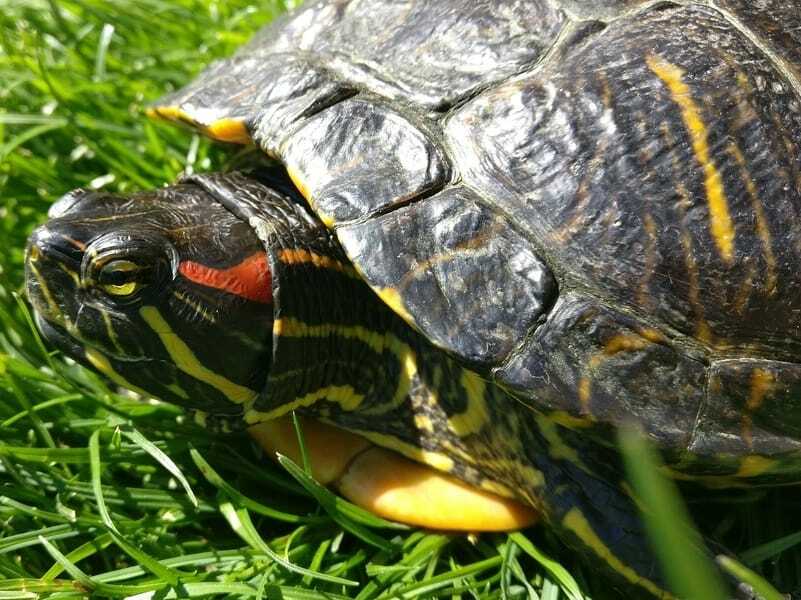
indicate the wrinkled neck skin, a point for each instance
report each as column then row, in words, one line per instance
column 342, row 356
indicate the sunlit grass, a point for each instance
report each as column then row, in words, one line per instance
column 102, row 493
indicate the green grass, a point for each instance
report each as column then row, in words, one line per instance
column 104, row 494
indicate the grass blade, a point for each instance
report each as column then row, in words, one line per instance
column 688, row 568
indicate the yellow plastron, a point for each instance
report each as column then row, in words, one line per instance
column 390, row 485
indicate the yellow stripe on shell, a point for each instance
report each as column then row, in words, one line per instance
column 622, row 342
column 576, row 522
column 298, row 179
column 721, row 224
column 225, row 129
column 186, row 361
column 762, row 382
column 754, row 466
column 750, row 467
column 392, row 298
column 229, row 130
column 762, row 227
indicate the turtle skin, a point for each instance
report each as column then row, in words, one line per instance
column 593, row 205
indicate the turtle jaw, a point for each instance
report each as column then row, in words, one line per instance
column 52, row 273
column 56, row 336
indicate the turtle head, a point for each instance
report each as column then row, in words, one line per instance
column 164, row 292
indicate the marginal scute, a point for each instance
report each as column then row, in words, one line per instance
column 592, row 361
column 471, row 283
column 357, row 158
column 656, row 172
column 263, row 94
column 752, row 407
column 428, row 53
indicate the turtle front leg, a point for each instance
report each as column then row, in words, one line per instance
column 598, row 520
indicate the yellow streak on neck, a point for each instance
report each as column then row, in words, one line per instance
column 721, row 224
column 475, row 415
column 301, row 256
column 185, row 359
column 578, row 524
column 392, row 297
column 376, row 341
column 53, row 308
column 344, row 395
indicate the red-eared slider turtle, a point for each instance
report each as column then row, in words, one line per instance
column 507, row 228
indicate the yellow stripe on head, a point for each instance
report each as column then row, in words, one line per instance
column 53, row 308
column 99, row 361
column 186, row 361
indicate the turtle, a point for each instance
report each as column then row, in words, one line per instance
column 484, row 236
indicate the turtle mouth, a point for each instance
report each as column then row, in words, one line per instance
column 58, row 336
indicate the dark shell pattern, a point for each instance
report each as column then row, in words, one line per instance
column 596, row 204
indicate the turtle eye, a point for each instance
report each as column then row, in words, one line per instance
column 121, row 278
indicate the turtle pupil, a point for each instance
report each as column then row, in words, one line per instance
column 121, row 278
column 117, row 278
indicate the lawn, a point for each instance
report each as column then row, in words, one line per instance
column 105, row 494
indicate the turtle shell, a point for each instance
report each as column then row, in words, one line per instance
column 597, row 205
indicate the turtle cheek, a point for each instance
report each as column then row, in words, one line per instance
column 110, row 332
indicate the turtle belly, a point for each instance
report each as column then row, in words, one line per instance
column 388, row 484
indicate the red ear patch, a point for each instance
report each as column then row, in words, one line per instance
column 251, row 279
